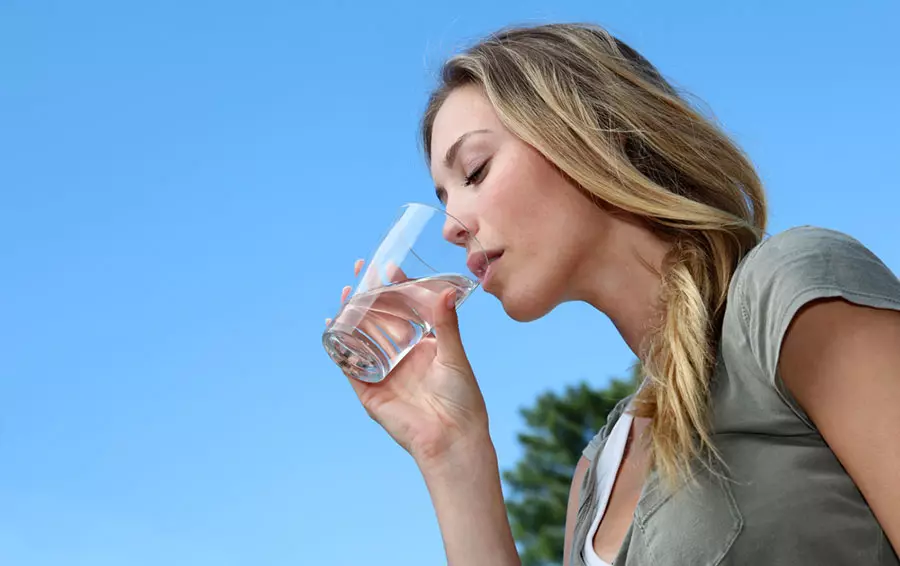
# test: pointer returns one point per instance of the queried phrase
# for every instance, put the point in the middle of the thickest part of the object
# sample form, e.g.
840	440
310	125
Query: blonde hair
606	118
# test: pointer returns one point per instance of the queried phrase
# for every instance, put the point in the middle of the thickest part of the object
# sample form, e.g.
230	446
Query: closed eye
473	178
476	176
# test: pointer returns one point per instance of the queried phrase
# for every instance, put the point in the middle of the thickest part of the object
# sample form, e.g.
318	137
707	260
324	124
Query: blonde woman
767	430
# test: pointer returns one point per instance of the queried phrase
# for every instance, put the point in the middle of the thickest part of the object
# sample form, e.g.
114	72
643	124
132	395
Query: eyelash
475	176
472	178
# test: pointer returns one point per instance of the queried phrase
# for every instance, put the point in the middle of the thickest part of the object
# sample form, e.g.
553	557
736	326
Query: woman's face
542	233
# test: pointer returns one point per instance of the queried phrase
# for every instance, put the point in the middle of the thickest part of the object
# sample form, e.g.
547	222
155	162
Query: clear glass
391	307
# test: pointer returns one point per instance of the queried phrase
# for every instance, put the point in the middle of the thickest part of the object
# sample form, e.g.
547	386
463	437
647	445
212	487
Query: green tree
559	426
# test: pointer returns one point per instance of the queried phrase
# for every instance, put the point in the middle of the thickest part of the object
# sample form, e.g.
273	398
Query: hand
430	403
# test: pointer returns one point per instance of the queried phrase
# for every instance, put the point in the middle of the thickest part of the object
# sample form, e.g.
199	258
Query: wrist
467	495
459	460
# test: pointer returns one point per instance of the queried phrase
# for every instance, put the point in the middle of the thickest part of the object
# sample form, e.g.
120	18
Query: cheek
540	218
535	277
515	207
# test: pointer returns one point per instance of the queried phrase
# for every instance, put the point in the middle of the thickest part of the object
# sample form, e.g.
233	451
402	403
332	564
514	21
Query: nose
454	232
455	228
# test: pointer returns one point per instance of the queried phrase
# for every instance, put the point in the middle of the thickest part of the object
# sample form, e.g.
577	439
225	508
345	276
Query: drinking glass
391	308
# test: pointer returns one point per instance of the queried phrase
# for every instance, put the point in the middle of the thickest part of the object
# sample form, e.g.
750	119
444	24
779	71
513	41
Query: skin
558	246
848	382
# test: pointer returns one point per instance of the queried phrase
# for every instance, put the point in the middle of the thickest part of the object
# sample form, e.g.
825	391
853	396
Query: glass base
356	355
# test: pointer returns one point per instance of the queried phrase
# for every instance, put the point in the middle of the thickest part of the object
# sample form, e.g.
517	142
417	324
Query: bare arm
842	364
467	496
572	509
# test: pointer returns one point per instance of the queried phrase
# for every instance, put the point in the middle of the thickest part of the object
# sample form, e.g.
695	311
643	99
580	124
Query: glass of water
392	305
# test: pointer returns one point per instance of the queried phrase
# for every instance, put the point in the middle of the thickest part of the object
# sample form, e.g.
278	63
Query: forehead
464	110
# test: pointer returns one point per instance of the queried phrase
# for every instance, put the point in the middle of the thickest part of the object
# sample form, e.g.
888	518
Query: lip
478	263
486	281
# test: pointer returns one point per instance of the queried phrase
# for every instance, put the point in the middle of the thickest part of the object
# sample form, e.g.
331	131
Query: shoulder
599	439
808	261
771	286
804	246
791	269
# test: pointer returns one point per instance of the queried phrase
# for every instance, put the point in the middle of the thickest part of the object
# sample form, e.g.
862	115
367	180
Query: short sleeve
796	267
599	439
596	444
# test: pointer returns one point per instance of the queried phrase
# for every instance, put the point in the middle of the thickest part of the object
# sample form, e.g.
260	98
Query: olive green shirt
786	500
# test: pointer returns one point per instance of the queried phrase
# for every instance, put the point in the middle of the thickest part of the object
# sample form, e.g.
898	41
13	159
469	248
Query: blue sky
184	187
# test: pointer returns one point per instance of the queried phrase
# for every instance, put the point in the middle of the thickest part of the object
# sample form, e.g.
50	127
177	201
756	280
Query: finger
379	275
394	273
357	267
370	277
327	321
345	292
450	350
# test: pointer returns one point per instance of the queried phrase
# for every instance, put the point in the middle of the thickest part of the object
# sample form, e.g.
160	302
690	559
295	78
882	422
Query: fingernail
451	301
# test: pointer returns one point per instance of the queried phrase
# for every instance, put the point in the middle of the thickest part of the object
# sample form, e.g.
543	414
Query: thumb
450	350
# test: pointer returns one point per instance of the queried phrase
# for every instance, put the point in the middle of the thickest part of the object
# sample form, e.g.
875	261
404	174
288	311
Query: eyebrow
454	149
451	156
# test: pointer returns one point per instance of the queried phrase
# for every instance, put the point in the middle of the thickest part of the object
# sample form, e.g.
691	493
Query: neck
623	278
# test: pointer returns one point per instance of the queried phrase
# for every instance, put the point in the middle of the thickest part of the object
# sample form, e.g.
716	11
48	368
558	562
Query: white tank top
607	470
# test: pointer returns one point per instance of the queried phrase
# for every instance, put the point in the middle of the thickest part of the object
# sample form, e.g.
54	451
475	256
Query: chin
526	307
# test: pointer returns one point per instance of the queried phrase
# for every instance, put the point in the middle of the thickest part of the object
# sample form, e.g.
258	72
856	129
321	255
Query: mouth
478	262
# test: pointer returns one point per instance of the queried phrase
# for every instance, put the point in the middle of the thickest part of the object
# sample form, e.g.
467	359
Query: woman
766	430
